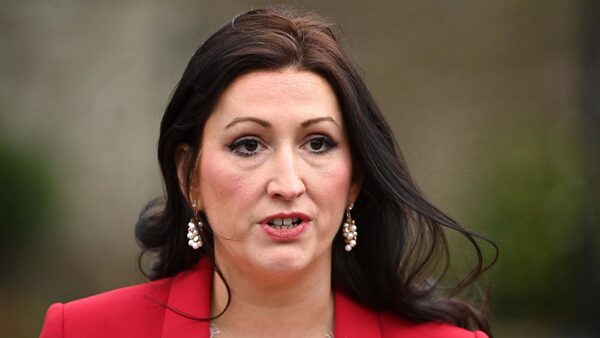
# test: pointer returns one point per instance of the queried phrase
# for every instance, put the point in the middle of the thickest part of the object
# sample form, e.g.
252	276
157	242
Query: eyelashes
319	144
246	147
252	146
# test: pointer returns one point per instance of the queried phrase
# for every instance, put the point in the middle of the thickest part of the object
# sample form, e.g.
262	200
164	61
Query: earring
349	230
194	229
194	234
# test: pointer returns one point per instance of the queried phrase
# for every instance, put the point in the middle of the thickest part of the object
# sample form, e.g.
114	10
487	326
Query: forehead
285	93
287	81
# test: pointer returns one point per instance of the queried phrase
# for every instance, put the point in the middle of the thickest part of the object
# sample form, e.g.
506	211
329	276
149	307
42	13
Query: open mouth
286	226
284	223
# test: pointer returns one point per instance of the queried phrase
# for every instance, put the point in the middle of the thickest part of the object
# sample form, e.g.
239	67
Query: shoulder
123	300
129	309
393	326
352	319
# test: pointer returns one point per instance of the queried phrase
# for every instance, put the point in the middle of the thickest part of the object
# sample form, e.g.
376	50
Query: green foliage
27	201
532	203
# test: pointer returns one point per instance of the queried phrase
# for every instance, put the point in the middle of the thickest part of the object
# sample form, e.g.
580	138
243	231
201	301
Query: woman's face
275	173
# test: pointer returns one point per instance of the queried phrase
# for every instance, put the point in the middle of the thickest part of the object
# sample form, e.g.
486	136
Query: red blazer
139	311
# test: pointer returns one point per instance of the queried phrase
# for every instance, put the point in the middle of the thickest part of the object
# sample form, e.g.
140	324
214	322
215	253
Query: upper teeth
285	221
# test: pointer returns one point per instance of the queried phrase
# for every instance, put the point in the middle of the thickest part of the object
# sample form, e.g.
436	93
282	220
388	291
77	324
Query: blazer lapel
189	295
352	320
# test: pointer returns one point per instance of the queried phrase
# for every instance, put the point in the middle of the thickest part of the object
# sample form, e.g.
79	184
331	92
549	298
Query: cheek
223	188
335	181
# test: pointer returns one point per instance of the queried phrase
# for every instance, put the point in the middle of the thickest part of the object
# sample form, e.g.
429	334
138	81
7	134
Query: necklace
216	333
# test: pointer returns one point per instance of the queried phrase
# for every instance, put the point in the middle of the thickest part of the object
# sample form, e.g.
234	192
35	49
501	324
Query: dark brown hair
403	252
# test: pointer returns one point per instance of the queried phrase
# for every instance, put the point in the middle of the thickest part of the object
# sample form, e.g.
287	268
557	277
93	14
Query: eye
246	147
319	144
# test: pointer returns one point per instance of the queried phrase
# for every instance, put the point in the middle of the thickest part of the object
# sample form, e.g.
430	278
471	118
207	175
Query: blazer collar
352	320
190	294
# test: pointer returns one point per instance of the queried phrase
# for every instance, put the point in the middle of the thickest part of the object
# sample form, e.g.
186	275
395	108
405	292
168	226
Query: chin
288	262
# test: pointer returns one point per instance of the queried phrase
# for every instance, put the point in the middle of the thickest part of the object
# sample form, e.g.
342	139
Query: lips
291	218
285	226
288	222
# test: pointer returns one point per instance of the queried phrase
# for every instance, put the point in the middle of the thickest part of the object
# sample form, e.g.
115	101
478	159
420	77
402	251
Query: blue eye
319	144
246	147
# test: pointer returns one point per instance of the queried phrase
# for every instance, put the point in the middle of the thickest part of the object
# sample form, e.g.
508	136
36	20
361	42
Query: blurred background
496	106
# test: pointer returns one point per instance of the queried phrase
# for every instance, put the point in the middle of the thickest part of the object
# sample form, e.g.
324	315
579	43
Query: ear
183	161
355	188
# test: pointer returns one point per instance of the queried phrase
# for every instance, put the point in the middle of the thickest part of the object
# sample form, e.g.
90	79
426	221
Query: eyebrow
310	122
266	124
248	119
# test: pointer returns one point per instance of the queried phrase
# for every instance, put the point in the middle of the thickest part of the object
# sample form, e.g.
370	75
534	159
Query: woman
289	211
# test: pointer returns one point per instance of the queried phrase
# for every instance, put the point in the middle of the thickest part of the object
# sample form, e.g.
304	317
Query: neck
291	305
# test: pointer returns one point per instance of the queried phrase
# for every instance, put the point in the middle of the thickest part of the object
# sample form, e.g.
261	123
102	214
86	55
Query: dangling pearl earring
194	234
349	230
194	228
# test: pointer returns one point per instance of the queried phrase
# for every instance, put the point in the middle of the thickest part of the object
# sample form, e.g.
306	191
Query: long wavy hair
403	253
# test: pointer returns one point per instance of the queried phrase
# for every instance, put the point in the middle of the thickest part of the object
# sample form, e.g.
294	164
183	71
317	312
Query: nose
286	181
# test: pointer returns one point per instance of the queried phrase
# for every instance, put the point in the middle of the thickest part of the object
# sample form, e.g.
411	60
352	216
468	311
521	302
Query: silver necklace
216	333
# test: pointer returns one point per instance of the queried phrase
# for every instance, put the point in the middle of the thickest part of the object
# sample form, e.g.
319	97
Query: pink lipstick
285	226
